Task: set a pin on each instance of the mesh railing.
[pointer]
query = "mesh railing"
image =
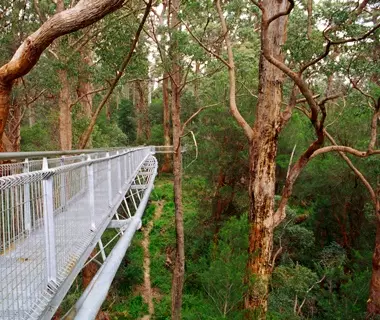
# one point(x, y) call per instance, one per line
point(49, 217)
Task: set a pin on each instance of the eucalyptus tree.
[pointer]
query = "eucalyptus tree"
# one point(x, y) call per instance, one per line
point(81, 15)
point(271, 116)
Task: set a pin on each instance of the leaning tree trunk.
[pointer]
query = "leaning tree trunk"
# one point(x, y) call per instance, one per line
point(262, 157)
point(64, 103)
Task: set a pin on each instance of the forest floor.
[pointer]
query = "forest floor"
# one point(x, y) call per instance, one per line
point(147, 292)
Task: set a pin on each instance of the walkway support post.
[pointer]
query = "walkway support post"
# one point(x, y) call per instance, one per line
point(91, 193)
point(109, 178)
point(27, 214)
point(49, 228)
point(90, 302)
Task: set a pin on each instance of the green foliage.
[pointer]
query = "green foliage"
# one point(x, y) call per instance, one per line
point(126, 119)
point(290, 287)
point(37, 138)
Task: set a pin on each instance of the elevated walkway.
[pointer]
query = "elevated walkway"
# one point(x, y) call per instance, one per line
point(53, 214)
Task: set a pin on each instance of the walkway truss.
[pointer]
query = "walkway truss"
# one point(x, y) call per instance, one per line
point(53, 214)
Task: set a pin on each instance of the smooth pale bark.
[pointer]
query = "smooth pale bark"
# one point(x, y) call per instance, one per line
point(142, 113)
point(85, 13)
point(64, 103)
point(167, 165)
point(179, 264)
point(262, 158)
point(85, 85)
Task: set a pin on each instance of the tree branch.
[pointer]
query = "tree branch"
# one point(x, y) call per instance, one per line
point(353, 151)
point(82, 15)
point(86, 135)
point(195, 114)
point(204, 46)
point(85, 95)
point(232, 77)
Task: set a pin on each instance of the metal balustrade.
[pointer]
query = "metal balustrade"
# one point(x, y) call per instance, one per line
point(53, 213)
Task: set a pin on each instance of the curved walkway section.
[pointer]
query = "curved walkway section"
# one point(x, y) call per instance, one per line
point(53, 217)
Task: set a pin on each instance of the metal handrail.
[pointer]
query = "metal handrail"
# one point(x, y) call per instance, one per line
point(50, 215)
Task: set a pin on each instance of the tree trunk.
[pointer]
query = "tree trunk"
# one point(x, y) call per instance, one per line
point(83, 14)
point(262, 157)
point(142, 114)
point(64, 103)
point(85, 86)
point(167, 166)
point(5, 92)
point(373, 303)
point(13, 127)
point(179, 265)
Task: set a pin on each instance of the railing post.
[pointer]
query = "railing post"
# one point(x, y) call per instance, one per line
point(91, 193)
point(125, 155)
point(130, 164)
point(119, 171)
point(27, 214)
point(49, 228)
point(82, 185)
point(63, 184)
point(109, 178)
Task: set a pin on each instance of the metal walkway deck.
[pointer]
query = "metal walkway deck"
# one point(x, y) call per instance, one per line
point(53, 215)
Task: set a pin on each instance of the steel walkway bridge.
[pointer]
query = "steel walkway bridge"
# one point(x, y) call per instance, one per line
point(54, 210)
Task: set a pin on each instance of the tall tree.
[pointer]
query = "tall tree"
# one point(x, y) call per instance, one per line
point(263, 136)
point(176, 83)
point(27, 55)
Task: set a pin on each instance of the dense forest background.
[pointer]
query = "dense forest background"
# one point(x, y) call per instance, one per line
point(321, 261)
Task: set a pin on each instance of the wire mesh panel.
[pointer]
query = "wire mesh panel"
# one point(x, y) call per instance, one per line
point(49, 217)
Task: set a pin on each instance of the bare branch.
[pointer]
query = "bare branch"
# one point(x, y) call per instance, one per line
point(337, 42)
point(307, 292)
point(85, 95)
point(195, 114)
point(204, 46)
point(356, 171)
point(86, 135)
point(232, 77)
point(281, 14)
point(309, 18)
point(350, 150)
point(375, 120)
point(39, 13)
point(67, 21)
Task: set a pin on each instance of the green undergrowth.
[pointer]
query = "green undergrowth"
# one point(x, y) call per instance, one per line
point(212, 269)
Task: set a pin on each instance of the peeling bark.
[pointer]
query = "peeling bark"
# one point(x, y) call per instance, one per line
point(262, 157)
point(5, 93)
